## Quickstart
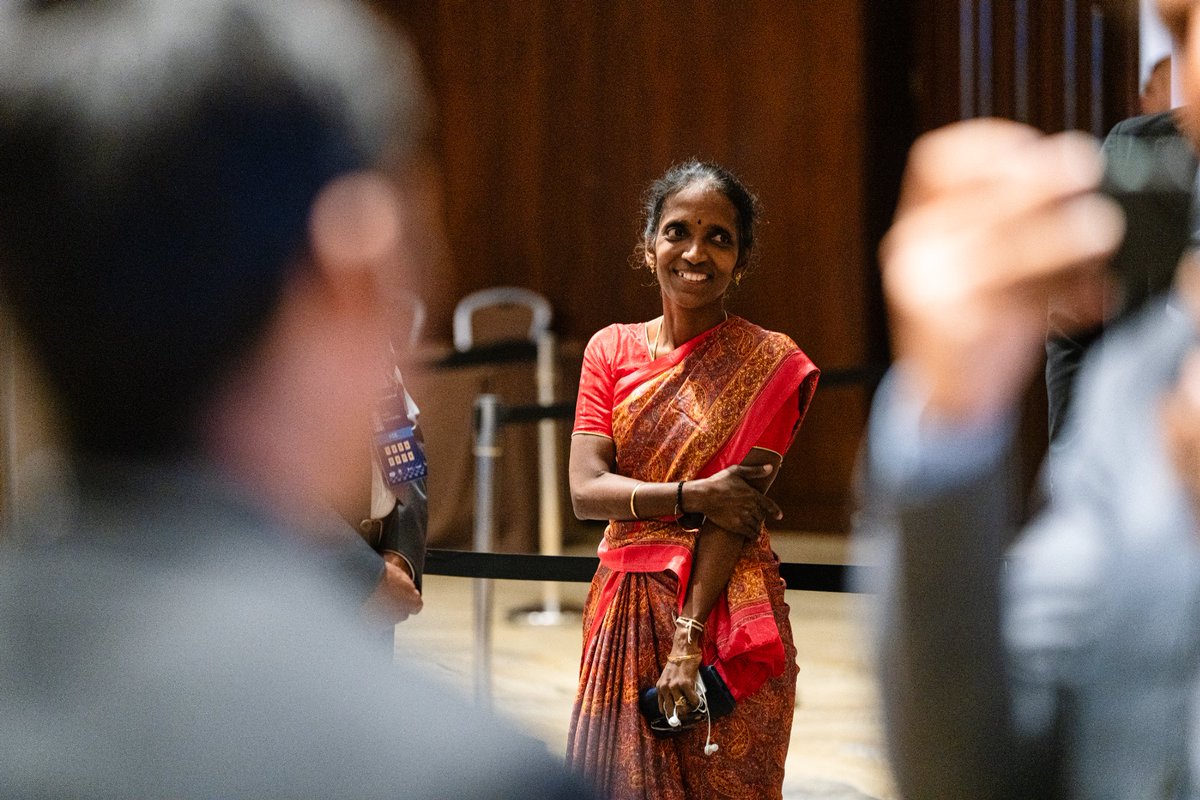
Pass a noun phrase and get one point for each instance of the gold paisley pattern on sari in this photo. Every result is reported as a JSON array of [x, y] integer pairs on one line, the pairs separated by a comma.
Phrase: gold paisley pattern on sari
[[680, 419], [611, 744]]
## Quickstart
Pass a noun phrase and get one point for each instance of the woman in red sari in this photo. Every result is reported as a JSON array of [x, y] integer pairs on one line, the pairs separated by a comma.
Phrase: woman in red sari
[[680, 427]]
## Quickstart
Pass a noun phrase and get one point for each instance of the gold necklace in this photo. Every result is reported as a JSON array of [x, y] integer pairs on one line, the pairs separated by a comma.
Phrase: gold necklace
[[654, 350], [658, 335]]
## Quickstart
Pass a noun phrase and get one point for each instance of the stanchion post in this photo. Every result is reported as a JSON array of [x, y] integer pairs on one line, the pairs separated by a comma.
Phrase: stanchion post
[[549, 509], [551, 610], [487, 450], [8, 422]]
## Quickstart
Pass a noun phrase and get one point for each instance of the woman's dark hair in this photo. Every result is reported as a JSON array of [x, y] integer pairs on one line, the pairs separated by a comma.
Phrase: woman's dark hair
[[683, 175]]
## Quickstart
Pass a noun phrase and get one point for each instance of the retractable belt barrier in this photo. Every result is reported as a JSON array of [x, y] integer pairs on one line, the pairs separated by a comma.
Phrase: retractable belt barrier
[[511, 351], [579, 569], [484, 565]]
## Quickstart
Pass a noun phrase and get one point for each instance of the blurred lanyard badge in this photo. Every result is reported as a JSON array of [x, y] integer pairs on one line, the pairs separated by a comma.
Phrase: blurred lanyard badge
[[401, 457]]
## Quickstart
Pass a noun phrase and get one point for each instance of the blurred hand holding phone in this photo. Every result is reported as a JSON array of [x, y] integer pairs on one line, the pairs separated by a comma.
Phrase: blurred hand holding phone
[[1151, 174]]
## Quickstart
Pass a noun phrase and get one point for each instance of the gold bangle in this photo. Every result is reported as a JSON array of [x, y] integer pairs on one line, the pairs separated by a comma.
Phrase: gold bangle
[[683, 659], [632, 495]]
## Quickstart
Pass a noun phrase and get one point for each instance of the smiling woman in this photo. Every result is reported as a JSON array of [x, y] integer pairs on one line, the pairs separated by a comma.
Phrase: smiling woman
[[680, 428], [695, 250]]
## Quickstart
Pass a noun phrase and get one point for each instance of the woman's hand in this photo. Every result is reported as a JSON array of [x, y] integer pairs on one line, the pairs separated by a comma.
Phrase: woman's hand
[[677, 684], [729, 502]]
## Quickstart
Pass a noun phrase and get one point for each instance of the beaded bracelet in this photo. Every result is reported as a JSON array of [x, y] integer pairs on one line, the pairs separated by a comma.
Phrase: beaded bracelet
[[689, 521]]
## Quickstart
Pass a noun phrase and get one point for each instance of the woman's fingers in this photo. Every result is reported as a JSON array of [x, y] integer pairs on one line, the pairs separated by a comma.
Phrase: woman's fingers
[[745, 521], [736, 505], [677, 688], [750, 473], [745, 524], [770, 509]]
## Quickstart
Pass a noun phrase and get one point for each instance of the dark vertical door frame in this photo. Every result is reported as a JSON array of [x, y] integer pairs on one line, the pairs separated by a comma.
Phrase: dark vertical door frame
[[891, 121]]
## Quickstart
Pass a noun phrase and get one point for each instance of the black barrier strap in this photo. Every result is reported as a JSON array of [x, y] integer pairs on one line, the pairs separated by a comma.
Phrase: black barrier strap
[[868, 374], [816, 577], [508, 351], [519, 414], [510, 566], [580, 569]]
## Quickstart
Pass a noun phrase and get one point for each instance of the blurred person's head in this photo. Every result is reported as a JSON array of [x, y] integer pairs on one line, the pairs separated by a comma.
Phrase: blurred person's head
[[1156, 91], [1182, 18], [192, 236]]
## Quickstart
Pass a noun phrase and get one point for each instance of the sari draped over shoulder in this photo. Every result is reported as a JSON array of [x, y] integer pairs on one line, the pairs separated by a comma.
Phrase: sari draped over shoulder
[[688, 415]]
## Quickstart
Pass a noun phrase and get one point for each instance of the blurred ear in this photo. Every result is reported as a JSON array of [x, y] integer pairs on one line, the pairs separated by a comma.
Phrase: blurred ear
[[356, 231]]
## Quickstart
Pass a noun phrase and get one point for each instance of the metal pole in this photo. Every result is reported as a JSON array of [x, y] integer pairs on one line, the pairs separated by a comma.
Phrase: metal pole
[[487, 450], [549, 511], [8, 412]]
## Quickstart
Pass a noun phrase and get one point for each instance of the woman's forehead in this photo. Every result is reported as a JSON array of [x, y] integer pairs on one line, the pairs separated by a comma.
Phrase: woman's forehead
[[703, 198]]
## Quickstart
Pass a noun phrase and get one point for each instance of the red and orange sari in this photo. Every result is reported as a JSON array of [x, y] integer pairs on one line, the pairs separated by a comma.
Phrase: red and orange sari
[[686, 415]]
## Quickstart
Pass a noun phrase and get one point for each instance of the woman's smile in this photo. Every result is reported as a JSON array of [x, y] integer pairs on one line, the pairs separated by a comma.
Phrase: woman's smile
[[692, 276], [696, 247]]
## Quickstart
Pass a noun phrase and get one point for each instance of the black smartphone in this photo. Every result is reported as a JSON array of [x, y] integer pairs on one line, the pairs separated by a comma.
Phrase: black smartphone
[[720, 703], [1151, 175]]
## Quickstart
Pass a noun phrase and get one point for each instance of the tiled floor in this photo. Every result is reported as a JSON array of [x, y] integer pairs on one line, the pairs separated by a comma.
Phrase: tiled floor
[[835, 751]]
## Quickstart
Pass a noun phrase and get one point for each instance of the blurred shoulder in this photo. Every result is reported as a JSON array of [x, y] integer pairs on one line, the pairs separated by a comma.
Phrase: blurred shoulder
[[1148, 125]]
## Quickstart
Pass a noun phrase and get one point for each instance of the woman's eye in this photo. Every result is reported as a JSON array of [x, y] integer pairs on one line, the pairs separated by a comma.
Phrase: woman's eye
[[723, 239], [673, 232]]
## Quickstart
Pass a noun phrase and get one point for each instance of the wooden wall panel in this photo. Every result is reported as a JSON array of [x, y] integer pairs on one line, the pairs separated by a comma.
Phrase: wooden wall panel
[[1055, 64], [553, 116]]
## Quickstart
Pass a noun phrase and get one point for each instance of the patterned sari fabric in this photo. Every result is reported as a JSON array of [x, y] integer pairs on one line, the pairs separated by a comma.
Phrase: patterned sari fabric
[[688, 415]]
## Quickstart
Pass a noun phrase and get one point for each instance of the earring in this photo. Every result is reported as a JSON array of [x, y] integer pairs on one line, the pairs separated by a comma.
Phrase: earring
[[737, 279]]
